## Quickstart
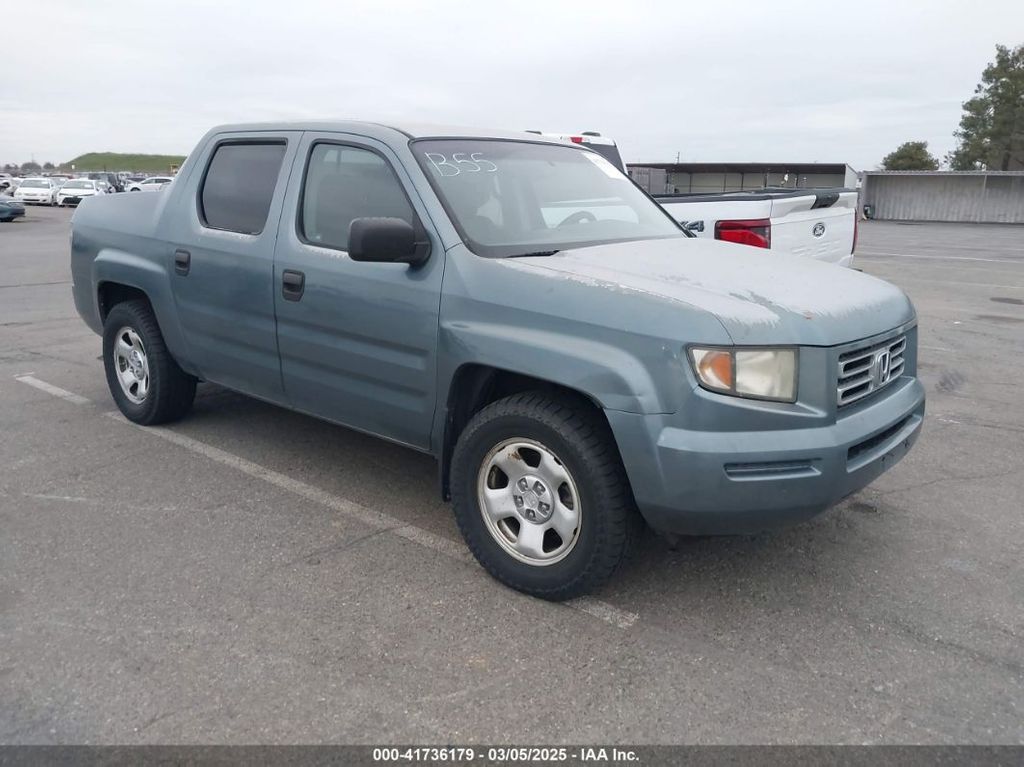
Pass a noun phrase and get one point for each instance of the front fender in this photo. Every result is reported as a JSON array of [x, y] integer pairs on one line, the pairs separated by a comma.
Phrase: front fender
[[611, 376]]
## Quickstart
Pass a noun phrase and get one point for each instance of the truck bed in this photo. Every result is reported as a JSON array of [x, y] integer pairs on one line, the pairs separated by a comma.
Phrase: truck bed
[[815, 223]]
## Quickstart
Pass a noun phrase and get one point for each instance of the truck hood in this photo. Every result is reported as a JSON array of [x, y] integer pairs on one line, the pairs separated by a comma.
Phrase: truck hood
[[758, 296]]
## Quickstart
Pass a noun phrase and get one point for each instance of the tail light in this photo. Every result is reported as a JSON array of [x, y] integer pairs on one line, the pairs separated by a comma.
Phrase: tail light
[[756, 232], [576, 139]]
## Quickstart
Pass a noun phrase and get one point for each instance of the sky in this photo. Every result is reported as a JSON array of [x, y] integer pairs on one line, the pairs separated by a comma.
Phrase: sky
[[769, 81]]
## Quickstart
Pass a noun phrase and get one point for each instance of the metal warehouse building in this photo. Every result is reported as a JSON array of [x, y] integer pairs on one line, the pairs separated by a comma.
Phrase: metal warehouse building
[[959, 196], [707, 177]]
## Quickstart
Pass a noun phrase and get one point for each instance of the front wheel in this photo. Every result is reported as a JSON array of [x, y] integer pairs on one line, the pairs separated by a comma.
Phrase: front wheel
[[540, 495], [146, 383]]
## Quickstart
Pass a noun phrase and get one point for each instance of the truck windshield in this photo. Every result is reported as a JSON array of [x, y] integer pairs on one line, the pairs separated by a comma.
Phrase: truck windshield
[[514, 198]]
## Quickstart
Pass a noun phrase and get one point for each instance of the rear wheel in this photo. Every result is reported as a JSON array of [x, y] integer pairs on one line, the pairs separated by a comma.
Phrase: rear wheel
[[540, 495], [146, 383]]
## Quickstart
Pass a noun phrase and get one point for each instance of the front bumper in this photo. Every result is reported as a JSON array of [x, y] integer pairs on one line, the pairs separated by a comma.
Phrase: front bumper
[[729, 482], [35, 199]]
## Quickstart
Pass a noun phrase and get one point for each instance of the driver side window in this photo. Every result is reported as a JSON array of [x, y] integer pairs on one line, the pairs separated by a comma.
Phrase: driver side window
[[344, 183]]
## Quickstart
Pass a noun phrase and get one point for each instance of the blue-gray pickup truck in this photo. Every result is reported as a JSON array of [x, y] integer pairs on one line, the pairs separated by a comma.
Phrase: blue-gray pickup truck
[[520, 310]]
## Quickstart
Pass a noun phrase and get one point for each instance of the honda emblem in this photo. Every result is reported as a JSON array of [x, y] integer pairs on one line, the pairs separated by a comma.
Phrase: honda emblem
[[881, 368]]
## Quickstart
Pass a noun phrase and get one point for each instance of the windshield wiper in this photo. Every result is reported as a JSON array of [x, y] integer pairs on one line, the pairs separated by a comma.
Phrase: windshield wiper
[[531, 255]]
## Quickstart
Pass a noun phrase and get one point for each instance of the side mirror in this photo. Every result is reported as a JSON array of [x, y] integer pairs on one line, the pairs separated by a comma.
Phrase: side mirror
[[389, 240]]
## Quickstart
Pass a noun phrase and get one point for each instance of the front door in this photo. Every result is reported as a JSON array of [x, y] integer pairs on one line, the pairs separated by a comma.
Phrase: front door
[[357, 340], [222, 261]]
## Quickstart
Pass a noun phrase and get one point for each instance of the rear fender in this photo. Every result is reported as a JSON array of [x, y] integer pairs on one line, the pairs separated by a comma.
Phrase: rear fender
[[150, 277]]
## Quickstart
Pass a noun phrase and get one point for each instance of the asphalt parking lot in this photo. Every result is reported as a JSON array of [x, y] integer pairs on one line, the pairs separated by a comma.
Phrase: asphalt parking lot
[[250, 575]]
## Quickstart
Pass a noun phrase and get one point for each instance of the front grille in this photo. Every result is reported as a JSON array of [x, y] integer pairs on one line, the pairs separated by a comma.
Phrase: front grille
[[866, 370]]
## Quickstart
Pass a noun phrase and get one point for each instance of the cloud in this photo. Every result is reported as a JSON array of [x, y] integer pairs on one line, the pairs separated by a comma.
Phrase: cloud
[[715, 81]]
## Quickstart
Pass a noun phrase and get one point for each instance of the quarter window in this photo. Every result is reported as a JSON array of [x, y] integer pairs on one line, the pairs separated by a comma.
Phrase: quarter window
[[239, 186], [344, 183]]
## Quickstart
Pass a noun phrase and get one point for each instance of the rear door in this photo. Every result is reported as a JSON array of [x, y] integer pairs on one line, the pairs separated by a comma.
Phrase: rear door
[[222, 259], [358, 341]]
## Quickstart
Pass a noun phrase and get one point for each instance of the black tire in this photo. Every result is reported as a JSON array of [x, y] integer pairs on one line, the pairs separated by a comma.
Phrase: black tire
[[171, 390], [582, 441]]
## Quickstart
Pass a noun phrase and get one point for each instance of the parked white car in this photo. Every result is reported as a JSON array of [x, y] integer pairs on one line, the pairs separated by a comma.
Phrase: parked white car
[[151, 184], [77, 189], [38, 191]]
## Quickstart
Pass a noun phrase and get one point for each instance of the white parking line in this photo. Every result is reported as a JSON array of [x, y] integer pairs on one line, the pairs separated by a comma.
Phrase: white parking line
[[594, 607], [867, 253], [604, 611], [56, 391], [994, 285]]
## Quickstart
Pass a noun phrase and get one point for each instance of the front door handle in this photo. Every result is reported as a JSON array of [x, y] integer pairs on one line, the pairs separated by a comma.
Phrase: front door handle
[[292, 284], [182, 262]]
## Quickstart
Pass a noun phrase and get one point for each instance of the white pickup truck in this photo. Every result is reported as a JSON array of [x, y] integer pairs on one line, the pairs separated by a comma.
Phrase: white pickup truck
[[816, 223]]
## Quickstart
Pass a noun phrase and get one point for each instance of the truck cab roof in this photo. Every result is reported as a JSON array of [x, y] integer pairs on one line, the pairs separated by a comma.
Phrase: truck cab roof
[[385, 131]]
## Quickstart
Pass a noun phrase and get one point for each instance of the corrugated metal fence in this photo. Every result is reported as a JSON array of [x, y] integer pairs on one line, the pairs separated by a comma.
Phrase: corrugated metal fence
[[968, 196]]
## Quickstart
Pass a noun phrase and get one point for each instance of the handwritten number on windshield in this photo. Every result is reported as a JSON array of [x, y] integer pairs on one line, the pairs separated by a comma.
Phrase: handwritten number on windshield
[[458, 163]]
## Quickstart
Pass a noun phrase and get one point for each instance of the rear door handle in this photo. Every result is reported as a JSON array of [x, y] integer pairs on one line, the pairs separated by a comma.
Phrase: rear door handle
[[182, 262], [292, 284]]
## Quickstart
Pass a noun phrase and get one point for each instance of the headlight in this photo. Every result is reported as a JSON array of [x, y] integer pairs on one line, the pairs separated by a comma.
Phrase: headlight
[[757, 372]]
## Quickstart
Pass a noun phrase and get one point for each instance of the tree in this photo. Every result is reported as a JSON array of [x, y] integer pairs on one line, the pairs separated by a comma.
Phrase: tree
[[991, 134], [11, 168], [30, 167], [910, 155], [48, 166]]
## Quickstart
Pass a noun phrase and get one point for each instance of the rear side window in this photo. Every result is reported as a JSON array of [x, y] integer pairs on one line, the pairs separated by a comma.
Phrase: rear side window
[[344, 183], [239, 186]]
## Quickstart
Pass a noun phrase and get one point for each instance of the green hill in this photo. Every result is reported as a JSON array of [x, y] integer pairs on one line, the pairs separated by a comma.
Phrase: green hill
[[147, 163]]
